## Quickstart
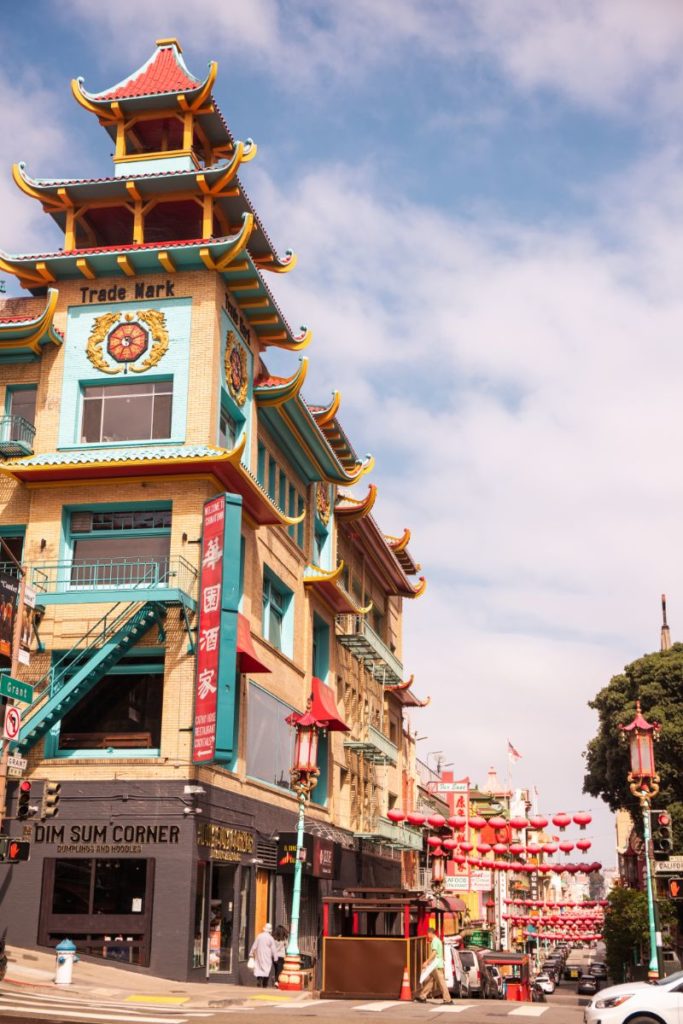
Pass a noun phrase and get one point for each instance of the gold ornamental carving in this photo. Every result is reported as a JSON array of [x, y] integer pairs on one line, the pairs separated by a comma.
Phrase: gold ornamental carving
[[236, 375], [322, 502], [120, 342]]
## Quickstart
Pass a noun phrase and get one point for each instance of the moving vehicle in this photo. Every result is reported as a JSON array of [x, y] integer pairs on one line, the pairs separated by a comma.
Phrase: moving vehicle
[[639, 1002], [588, 985], [598, 970], [577, 963], [546, 982]]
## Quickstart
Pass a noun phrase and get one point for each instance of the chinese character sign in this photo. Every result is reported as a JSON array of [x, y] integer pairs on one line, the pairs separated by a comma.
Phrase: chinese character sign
[[210, 591], [9, 589]]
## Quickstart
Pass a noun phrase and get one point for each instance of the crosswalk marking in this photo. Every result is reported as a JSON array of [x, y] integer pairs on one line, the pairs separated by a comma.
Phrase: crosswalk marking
[[93, 1015], [81, 1002], [528, 1011], [452, 1008], [376, 1007]]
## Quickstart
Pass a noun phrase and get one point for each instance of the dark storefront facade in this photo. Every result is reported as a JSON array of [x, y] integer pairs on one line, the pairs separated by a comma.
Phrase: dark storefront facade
[[177, 884]]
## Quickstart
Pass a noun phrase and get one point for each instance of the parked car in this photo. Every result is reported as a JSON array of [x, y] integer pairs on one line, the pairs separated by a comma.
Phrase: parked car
[[588, 985], [492, 982], [470, 968], [537, 993], [546, 982], [455, 975], [598, 970], [648, 1003]]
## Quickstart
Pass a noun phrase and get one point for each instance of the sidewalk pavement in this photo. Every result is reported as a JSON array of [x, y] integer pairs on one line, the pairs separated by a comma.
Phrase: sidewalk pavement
[[35, 970]]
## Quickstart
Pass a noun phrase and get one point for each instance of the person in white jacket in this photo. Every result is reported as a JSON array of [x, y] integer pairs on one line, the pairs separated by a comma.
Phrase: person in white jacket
[[264, 953]]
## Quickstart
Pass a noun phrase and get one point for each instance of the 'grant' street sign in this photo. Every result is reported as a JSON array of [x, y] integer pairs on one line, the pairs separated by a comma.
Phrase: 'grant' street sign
[[15, 689]]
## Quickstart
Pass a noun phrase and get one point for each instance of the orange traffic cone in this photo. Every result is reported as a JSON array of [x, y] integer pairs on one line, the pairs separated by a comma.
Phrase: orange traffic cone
[[406, 991]]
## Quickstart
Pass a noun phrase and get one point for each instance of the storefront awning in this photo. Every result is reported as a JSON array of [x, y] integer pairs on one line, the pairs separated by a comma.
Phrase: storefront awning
[[247, 660], [455, 904], [324, 707]]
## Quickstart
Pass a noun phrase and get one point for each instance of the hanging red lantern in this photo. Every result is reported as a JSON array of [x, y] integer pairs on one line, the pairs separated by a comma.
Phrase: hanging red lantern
[[518, 823], [550, 847], [583, 844], [557, 868], [416, 819], [395, 815], [582, 818], [459, 858], [433, 841], [544, 868], [436, 821], [561, 820], [484, 847], [449, 844], [566, 846], [500, 848], [534, 848], [537, 821], [457, 821], [596, 866], [466, 846], [477, 822], [498, 823]]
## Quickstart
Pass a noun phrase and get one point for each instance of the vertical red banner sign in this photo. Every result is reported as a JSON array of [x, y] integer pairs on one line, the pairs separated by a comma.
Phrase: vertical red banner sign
[[210, 602]]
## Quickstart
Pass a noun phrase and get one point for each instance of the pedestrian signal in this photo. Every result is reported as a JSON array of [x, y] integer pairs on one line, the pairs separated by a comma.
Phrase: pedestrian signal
[[49, 807], [674, 887], [14, 850], [662, 834]]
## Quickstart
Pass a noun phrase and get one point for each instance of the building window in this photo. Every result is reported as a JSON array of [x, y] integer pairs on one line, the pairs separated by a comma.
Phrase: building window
[[22, 402], [127, 412], [277, 613], [121, 712], [123, 548], [13, 539], [103, 904], [227, 431], [270, 740], [321, 648]]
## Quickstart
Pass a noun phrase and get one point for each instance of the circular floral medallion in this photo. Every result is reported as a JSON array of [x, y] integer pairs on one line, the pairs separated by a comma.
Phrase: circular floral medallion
[[322, 502], [127, 342], [236, 369]]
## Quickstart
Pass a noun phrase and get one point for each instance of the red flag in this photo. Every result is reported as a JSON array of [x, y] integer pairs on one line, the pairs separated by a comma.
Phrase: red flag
[[513, 754]]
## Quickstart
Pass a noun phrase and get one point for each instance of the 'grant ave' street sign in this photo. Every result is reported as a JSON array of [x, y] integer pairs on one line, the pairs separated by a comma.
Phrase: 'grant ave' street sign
[[15, 689]]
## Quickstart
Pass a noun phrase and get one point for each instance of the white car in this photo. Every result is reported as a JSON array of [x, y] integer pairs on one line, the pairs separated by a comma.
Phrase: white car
[[638, 1002], [546, 983]]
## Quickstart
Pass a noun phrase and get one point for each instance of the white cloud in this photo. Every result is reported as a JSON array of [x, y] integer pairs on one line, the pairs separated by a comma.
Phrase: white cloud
[[521, 389]]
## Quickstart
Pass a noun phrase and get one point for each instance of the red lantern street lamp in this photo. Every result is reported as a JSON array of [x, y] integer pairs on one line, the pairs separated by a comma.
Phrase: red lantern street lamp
[[537, 822], [438, 870], [641, 734], [457, 821], [582, 818], [561, 820]]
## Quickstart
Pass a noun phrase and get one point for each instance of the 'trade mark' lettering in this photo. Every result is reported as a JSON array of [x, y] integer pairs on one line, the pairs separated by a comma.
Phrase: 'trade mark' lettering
[[119, 293]]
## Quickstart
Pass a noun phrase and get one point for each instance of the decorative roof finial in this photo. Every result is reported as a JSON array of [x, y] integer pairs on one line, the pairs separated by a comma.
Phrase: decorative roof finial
[[665, 641]]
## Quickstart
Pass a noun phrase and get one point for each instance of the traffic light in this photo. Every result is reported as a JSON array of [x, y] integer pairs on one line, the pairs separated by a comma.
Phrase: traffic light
[[674, 888], [662, 836], [14, 850], [25, 808], [49, 807]]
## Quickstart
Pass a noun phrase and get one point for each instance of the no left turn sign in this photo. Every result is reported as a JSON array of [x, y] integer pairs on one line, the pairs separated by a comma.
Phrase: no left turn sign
[[12, 723]]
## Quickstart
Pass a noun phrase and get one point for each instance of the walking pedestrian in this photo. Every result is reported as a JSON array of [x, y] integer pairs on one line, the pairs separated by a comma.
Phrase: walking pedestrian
[[263, 952], [435, 961], [280, 936]]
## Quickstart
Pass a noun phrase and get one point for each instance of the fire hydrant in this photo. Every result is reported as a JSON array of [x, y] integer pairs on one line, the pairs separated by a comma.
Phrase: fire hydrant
[[66, 958]]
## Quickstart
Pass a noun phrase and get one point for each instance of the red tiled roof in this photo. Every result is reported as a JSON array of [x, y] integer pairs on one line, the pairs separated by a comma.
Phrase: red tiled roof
[[266, 381], [163, 74]]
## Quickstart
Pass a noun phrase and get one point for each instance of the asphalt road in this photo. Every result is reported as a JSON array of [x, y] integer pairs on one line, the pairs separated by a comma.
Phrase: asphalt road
[[19, 1008]]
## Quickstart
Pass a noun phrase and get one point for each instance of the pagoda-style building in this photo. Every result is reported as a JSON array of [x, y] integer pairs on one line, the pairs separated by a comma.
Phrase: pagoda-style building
[[197, 566]]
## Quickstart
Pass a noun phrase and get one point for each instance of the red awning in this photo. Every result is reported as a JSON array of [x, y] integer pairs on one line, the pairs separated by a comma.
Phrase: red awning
[[246, 655], [324, 707], [454, 903]]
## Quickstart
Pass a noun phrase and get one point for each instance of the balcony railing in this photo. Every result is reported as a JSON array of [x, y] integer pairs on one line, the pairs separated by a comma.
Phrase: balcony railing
[[374, 746], [354, 633], [400, 836], [16, 436], [79, 580]]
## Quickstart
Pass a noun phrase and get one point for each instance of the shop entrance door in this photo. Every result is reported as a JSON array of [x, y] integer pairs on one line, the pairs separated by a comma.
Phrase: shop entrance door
[[221, 910]]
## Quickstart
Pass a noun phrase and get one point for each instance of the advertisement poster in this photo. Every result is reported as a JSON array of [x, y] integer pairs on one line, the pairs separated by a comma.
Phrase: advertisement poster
[[27, 625], [9, 589]]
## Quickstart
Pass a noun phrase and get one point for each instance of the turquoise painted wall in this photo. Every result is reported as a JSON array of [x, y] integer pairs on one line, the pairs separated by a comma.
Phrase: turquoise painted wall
[[242, 414], [79, 371]]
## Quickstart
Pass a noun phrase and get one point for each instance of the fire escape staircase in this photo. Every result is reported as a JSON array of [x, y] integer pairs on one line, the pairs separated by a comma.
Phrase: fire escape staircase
[[77, 671]]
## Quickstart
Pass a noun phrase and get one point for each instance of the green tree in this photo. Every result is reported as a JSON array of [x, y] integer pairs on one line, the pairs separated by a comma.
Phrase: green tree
[[657, 680], [625, 931]]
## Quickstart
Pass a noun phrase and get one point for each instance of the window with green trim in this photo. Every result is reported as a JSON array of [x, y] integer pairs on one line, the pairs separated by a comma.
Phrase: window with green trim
[[119, 548], [278, 607], [21, 401]]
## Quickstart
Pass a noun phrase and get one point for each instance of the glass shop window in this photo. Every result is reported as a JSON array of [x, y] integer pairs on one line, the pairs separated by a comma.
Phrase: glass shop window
[[127, 412], [122, 711], [227, 431], [270, 740]]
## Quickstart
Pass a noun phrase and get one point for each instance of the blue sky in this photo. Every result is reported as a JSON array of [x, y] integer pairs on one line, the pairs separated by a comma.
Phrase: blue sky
[[486, 203]]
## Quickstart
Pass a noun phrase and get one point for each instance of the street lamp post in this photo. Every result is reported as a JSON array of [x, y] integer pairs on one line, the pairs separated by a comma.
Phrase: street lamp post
[[644, 784]]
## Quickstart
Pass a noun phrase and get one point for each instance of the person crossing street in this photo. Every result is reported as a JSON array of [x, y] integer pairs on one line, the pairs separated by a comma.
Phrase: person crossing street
[[436, 973]]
